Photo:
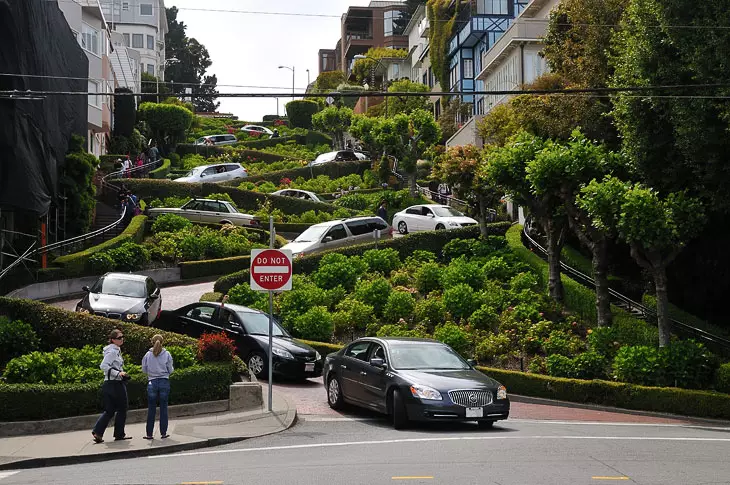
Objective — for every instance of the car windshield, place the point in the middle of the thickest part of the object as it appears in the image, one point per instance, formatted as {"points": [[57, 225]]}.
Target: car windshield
{"points": [[312, 234], [258, 324], [446, 212], [325, 157], [110, 285], [193, 172], [422, 356]]}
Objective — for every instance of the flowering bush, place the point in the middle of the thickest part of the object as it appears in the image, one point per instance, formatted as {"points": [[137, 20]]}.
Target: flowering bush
{"points": [[400, 305], [216, 347], [285, 181]]}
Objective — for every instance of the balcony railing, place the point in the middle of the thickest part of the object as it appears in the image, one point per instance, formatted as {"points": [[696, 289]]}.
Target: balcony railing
{"points": [[522, 30]]}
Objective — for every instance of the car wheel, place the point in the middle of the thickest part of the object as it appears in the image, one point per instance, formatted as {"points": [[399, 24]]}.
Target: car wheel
{"points": [[225, 222], [485, 424], [440, 227], [256, 363], [402, 227], [400, 415], [334, 393]]}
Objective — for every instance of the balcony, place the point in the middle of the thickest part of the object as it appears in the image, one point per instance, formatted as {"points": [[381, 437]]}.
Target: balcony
{"points": [[522, 31], [357, 43], [474, 30], [424, 29]]}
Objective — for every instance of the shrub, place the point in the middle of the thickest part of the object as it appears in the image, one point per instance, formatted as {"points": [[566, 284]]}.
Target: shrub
{"points": [[485, 318], [400, 331], [35, 367], [300, 113], [374, 292], [722, 378], [589, 365], [315, 324], [498, 269], [454, 336], [430, 312], [352, 316], [419, 257], [461, 300], [382, 260], [297, 302], [428, 277], [216, 347], [461, 271], [493, 346], [338, 270], [16, 338], [101, 263], [182, 357], [559, 365], [562, 343], [129, 256], [495, 296], [456, 248], [523, 281], [400, 305], [608, 340], [242, 294], [401, 278]]}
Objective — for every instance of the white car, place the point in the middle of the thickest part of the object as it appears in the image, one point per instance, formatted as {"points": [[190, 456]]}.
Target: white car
{"points": [[430, 217], [257, 129], [208, 211], [217, 140], [299, 194], [337, 234], [339, 156], [221, 172]]}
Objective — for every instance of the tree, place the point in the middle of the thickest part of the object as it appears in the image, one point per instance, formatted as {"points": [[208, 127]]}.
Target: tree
{"points": [[328, 81], [150, 85], [407, 105], [362, 68], [167, 122], [76, 183], [558, 172], [455, 112], [462, 167], [507, 169], [655, 228], [335, 121], [204, 95], [300, 113], [499, 125]]}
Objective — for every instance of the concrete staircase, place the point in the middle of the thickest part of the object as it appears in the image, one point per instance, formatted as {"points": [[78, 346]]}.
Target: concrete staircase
{"points": [[105, 215]]}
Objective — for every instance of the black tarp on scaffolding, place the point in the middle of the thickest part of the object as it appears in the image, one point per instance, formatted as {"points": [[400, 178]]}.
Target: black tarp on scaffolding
{"points": [[35, 38]]}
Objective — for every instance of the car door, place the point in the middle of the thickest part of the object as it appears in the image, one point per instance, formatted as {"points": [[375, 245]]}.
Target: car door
{"points": [[352, 371], [360, 230], [197, 320], [412, 218], [208, 175], [153, 294], [428, 220], [192, 211], [374, 380], [232, 325], [336, 237]]}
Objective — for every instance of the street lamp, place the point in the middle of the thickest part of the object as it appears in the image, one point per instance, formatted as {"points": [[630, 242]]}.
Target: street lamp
{"points": [[171, 60], [292, 79], [308, 78], [372, 77]]}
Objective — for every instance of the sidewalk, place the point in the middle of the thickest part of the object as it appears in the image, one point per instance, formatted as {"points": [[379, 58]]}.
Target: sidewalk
{"points": [[185, 434]]}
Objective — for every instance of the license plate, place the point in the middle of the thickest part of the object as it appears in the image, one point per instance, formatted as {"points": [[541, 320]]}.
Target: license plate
{"points": [[474, 412], [309, 367]]}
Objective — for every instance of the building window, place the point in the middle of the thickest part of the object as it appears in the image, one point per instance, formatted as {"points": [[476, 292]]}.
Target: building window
{"points": [[394, 23], [127, 41], [90, 39], [138, 41], [468, 68], [151, 69], [493, 7], [151, 42], [125, 6], [146, 9], [453, 77], [425, 79], [94, 88]]}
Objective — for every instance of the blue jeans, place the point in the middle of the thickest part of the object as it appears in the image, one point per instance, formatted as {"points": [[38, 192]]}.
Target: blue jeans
{"points": [[157, 389]]}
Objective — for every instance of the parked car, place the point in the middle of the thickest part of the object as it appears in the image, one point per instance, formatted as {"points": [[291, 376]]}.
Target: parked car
{"points": [[123, 296], [217, 140], [257, 129], [208, 211], [338, 156], [430, 217], [337, 234], [221, 172], [413, 380], [249, 328], [299, 194]]}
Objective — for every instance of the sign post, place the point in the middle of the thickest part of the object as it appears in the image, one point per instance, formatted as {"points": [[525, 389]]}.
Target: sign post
{"points": [[271, 270]]}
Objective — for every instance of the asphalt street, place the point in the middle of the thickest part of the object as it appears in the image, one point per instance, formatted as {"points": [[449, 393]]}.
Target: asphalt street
{"points": [[323, 449]]}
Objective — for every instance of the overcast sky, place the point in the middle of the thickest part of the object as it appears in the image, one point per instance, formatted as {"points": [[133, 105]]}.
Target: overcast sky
{"points": [[246, 49]]}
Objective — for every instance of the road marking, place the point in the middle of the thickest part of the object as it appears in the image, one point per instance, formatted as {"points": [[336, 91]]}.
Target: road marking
{"points": [[411, 478], [441, 439], [610, 478], [4, 475], [201, 483]]}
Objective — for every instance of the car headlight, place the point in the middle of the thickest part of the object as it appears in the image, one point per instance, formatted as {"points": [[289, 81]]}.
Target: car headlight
{"points": [[425, 392], [454, 223], [82, 310], [502, 392], [133, 316], [283, 353], [317, 356]]}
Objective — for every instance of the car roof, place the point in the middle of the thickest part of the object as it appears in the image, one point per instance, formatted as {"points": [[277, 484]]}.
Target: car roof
{"points": [[399, 340], [216, 165], [127, 276], [235, 308], [349, 219], [209, 200]]}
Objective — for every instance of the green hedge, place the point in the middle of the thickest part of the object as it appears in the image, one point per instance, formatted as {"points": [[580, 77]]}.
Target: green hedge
{"points": [[213, 267], [300, 113], [428, 241], [76, 264], [332, 170], [212, 296], [259, 156], [628, 396], [292, 227], [323, 348], [269, 142], [27, 402], [162, 171], [244, 199]]}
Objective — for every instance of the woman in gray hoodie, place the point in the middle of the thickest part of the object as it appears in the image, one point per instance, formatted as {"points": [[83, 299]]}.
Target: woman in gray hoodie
{"points": [[157, 364], [114, 390]]}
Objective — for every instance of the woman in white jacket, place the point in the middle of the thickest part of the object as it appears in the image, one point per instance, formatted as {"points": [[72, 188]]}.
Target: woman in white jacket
{"points": [[157, 364], [114, 390]]}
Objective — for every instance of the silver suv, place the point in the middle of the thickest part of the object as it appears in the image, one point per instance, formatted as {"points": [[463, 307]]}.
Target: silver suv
{"points": [[217, 140], [336, 234]]}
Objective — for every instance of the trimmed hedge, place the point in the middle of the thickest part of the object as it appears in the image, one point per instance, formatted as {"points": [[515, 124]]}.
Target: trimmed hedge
{"points": [[244, 199], [333, 170], [76, 264], [212, 296], [56, 327], [261, 157], [292, 227], [162, 171], [684, 402], [213, 267], [26, 402], [323, 348], [300, 113], [428, 241], [269, 142]]}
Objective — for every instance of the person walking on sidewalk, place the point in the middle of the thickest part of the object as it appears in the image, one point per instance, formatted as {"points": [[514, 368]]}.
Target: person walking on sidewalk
{"points": [[114, 390], [157, 364]]}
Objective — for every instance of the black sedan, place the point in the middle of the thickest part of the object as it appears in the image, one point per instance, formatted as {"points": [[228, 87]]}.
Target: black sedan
{"points": [[123, 296], [413, 380], [249, 328]]}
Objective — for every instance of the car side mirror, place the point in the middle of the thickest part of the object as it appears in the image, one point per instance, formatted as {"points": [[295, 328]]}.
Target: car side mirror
{"points": [[379, 363], [327, 239], [431, 215], [471, 362], [154, 296], [86, 289]]}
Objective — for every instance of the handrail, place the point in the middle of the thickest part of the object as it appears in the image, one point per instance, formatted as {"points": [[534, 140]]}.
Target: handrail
{"points": [[645, 311], [21, 258], [119, 174]]}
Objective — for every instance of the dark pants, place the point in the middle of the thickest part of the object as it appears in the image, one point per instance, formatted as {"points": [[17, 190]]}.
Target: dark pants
{"points": [[157, 389], [115, 402]]}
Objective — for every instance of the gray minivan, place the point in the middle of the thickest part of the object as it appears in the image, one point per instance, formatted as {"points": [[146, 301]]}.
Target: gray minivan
{"points": [[336, 234], [217, 140]]}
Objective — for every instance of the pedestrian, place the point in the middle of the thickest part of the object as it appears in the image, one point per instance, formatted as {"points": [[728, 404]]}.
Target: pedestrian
{"points": [[126, 165], [383, 210], [114, 390], [154, 153], [157, 364]]}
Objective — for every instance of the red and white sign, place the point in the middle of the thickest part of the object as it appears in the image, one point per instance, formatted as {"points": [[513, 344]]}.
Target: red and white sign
{"points": [[271, 269]]}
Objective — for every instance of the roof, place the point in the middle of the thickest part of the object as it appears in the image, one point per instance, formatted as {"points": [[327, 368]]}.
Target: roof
{"points": [[127, 276], [418, 15], [236, 308], [336, 221], [385, 3]]}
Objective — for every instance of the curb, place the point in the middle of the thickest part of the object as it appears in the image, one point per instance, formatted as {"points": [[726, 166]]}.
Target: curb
{"points": [[118, 455], [610, 409]]}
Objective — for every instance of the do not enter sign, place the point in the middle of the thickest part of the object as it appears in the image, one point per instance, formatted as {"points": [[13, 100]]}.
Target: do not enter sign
{"points": [[271, 269]]}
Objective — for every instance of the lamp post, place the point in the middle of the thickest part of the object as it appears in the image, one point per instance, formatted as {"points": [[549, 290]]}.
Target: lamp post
{"points": [[385, 75], [308, 82], [171, 60], [292, 79]]}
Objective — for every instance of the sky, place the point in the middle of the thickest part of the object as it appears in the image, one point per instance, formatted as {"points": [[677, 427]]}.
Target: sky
{"points": [[246, 49]]}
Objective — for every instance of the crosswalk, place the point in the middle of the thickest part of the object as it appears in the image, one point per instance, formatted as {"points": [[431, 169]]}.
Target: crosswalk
{"points": [[4, 475]]}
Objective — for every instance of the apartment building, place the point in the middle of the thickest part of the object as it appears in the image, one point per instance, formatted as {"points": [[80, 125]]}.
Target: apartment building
{"points": [[419, 59]]}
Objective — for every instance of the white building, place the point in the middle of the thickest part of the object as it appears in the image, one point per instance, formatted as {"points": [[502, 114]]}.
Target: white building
{"points": [[126, 63], [419, 57]]}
